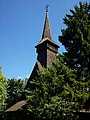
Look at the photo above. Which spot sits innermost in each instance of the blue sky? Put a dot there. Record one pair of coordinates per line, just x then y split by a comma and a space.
21, 27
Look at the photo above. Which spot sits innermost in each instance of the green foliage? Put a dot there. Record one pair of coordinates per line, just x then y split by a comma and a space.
14, 90
3, 94
76, 39
3, 90
58, 94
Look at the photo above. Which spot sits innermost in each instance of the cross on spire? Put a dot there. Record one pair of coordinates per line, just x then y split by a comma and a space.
47, 8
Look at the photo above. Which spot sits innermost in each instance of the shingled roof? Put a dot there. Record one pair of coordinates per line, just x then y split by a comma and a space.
46, 30
17, 106
46, 36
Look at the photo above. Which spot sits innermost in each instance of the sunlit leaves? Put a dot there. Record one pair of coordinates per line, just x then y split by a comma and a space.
3, 90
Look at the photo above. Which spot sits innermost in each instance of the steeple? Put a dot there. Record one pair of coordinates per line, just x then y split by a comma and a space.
46, 48
46, 30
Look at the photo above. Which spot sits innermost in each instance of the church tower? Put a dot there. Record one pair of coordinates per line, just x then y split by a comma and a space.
46, 56
46, 50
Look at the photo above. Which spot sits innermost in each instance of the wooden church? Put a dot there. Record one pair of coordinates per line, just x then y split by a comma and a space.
46, 55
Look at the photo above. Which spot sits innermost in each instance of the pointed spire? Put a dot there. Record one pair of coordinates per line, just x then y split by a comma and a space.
46, 30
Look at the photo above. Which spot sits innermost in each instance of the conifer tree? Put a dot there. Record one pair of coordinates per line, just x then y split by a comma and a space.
53, 97
58, 94
76, 40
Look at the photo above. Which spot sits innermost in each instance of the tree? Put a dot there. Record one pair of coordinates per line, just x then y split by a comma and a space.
3, 90
76, 39
14, 90
57, 94
3, 94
